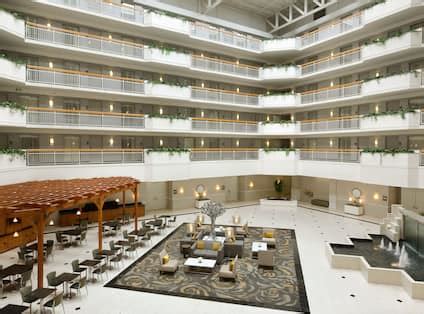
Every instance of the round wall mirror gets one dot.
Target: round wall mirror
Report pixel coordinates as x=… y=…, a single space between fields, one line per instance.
x=356 y=193
x=200 y=188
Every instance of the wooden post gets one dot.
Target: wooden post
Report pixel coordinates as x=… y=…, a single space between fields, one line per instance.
x=99 y=203
x=123 y=204
x=40 y=249
x=135 y=206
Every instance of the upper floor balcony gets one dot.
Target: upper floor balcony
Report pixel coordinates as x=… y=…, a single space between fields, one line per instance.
x=332 y=93
x=400 y=168
x=136 y=15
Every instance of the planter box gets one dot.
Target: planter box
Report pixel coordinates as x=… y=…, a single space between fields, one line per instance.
x=12 y=71
x=384 y=9
x=12 y=117
x=411 y=39
x=280 y=44
x=275 y=73
x=369 y=159
x=278 y=163
x=411 y=121
x=279 y=101
x=168 y=22
x=403 y=160
x=166 y=158
x=288 y=203
x=393 y=83
x=168 y=91
x=11 y=24
x=170 y=57
x=8 y=162
x=278 y=128
x=167 y=124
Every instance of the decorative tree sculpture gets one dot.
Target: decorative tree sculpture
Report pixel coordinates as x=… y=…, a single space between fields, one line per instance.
x=213 y=210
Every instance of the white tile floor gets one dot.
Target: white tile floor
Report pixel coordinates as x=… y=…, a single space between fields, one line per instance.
x=327 y=291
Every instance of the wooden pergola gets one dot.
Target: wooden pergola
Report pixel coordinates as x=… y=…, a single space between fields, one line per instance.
x=36 y=200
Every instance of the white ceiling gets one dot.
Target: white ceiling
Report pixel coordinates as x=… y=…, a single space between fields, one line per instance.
x=261 y=7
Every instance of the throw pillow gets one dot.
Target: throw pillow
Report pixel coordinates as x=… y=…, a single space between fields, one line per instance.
x=268 y=235
x=216 y=246
x=200 y=245
x=165 y=259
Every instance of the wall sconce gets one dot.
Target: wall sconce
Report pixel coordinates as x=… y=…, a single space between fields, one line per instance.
x=16 y=234
x=238 y=90
x=161 y=79
x=291 y=143
x=350 y=199
x=238 y=117
x=331 y=143
x=202 y=55
x=237 y=62
x=251 y=185
x=51 y=140
x=49 y=25
x=292 y=117
x=331 y=113
x=111 y=141
x=78 y=212
x=202 y=142
x=332 y=83
x=237 y=143
x=267 y=143
x=203 y=85
x=332 y=54
x=111 y=107
x=377 y=108
x=202 y=114
x=267 y=118
x=376 y=142
x=110 y=36
x=15 y=220
x=160 y=111
x=217 y=187
x=110 y=73
x=360 y=201
x=267 y=92
x=51 y=103
x=376 y=196
x=377 y=74
x=51 y=222
x=51 y=65
x=160 y=142
x=181 y=190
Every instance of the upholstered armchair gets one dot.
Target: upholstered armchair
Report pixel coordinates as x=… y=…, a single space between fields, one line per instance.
x=243 y=231
x=268 y=236
x=266 y=258
x=229 y=271
x=166 y=264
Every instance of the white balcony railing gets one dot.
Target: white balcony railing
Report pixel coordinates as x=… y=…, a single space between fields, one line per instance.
x=61 y=117
x=332 y=30
x=221 y=66
x=350 y=156
x=333 y=61
x=76 y=79
x=330 y=93
x=84 y=41
x=339 y=123
x=47 y=157
x=127 y=12
x=224 y=36
x=217 y=95
x=217 y=125
x=224 y=154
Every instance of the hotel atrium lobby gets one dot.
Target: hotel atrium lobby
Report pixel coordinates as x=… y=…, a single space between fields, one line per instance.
x=212 y=156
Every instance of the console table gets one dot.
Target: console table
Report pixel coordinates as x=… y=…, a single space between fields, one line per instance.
x=353 y=209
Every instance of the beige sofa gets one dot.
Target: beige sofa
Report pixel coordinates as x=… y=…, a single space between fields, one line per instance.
x=208 y=251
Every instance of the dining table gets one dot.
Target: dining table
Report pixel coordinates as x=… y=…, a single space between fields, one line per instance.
x=13 y=271
x=14 y=309
x=72 y=233
x=90 y=264
x=65 y=279
x=40 y=294
x=108 y=254
x=156 y=222
x=165 y=217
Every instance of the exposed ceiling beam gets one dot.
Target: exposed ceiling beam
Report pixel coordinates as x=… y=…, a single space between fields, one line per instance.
x=294 y=12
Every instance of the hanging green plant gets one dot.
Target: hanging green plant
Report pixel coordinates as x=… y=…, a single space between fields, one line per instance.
x=287 y=150
x=168 y=116
x=278 y=122
x=13 y=58
x=170 y=150
x=13 y=152
x=385 y=151
x=13 y=106
x=402 y=112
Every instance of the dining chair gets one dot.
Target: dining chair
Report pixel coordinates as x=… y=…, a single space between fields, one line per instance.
x=82 y=237
x=117 y=259
x=76 y=267
x=79 y=285
x=100 y=271
x=25 y=291
x=53 y=303
x=25 y=277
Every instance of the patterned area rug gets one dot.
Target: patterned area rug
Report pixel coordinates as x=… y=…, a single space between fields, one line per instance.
x=279 y=288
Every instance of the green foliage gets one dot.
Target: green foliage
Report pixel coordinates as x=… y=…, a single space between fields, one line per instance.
x=170 y=150
x=389 y=75
x=402 y=112
x=168 y=116
x=382 y=40
x=277 y=93
x=170 y=14
x=177 y=83
x=13 y=152
x=284 y=65
x=386 y=151
x=166 y=49
x=278 y=186
x=12 y=58
x=287 y=150
x=278 y=122
x=13 y=106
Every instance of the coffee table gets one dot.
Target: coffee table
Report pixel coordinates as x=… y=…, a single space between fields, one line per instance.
x=258 y=246
x=199 y=265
